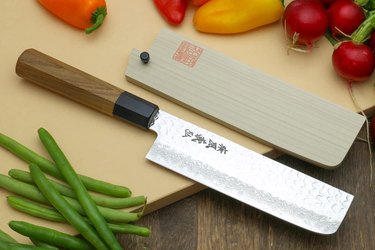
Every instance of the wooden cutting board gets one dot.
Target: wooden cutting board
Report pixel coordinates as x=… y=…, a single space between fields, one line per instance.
x=112 y=150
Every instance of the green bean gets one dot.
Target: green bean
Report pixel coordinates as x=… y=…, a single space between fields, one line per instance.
x=25 y=176
x=130 y=229
x=32 y=192
x=21 y=188
x=61 y=205
x=49 y=235
x=19 y=246
x=35 y=209
x=42 y=244
x=38 y=210
x=105 y=201
x=6 y=237
x=49 y=167
x=80 y=190
x=109 y=214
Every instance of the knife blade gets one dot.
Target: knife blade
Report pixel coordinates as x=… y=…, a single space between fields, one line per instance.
x=199 y=154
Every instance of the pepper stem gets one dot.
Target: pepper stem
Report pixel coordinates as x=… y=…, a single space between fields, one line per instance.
x=97 y=19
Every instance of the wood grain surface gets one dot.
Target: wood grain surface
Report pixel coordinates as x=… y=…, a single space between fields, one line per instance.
x=210 y=220
x=68 y=81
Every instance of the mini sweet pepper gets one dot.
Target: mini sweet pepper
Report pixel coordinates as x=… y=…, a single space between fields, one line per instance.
x=87 y=15
x=172 y=10
x=235 y=16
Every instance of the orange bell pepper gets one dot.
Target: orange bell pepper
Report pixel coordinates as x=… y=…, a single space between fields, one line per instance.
x=235 y=16
x=87 y=15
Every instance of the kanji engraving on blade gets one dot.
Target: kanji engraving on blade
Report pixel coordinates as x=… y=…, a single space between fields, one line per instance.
x=209 y=143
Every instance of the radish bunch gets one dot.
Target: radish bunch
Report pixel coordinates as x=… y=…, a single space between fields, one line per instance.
x=350 y=27
x=347 y=22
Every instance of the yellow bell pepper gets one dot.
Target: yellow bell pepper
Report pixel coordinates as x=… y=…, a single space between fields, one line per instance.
x=235 y=16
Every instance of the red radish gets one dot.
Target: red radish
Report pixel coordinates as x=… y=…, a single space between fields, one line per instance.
x=327 y=2
x=353 y=61
x=305 y=21
x=371 y=41
x=345 y=16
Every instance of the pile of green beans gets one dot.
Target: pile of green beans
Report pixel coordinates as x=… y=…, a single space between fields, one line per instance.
x=33 y=193
x=97 y=217
x=48 y=213
x=50 y=168
x=105 y=201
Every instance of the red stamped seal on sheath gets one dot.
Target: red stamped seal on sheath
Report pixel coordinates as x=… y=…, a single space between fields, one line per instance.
x=187 y=53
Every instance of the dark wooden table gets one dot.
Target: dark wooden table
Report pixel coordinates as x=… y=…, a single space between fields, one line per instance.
x=210 y=220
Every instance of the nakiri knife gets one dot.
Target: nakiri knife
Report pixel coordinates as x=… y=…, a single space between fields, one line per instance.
x=198 y=154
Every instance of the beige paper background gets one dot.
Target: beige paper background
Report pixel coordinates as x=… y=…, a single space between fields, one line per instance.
x=107 y=148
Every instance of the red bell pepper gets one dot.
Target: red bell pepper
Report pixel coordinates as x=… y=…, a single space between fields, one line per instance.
x=172 y=10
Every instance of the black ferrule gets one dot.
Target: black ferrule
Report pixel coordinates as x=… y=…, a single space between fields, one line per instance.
x=135 y=109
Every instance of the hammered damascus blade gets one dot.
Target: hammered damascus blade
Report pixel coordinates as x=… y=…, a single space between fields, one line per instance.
x=247 y=176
